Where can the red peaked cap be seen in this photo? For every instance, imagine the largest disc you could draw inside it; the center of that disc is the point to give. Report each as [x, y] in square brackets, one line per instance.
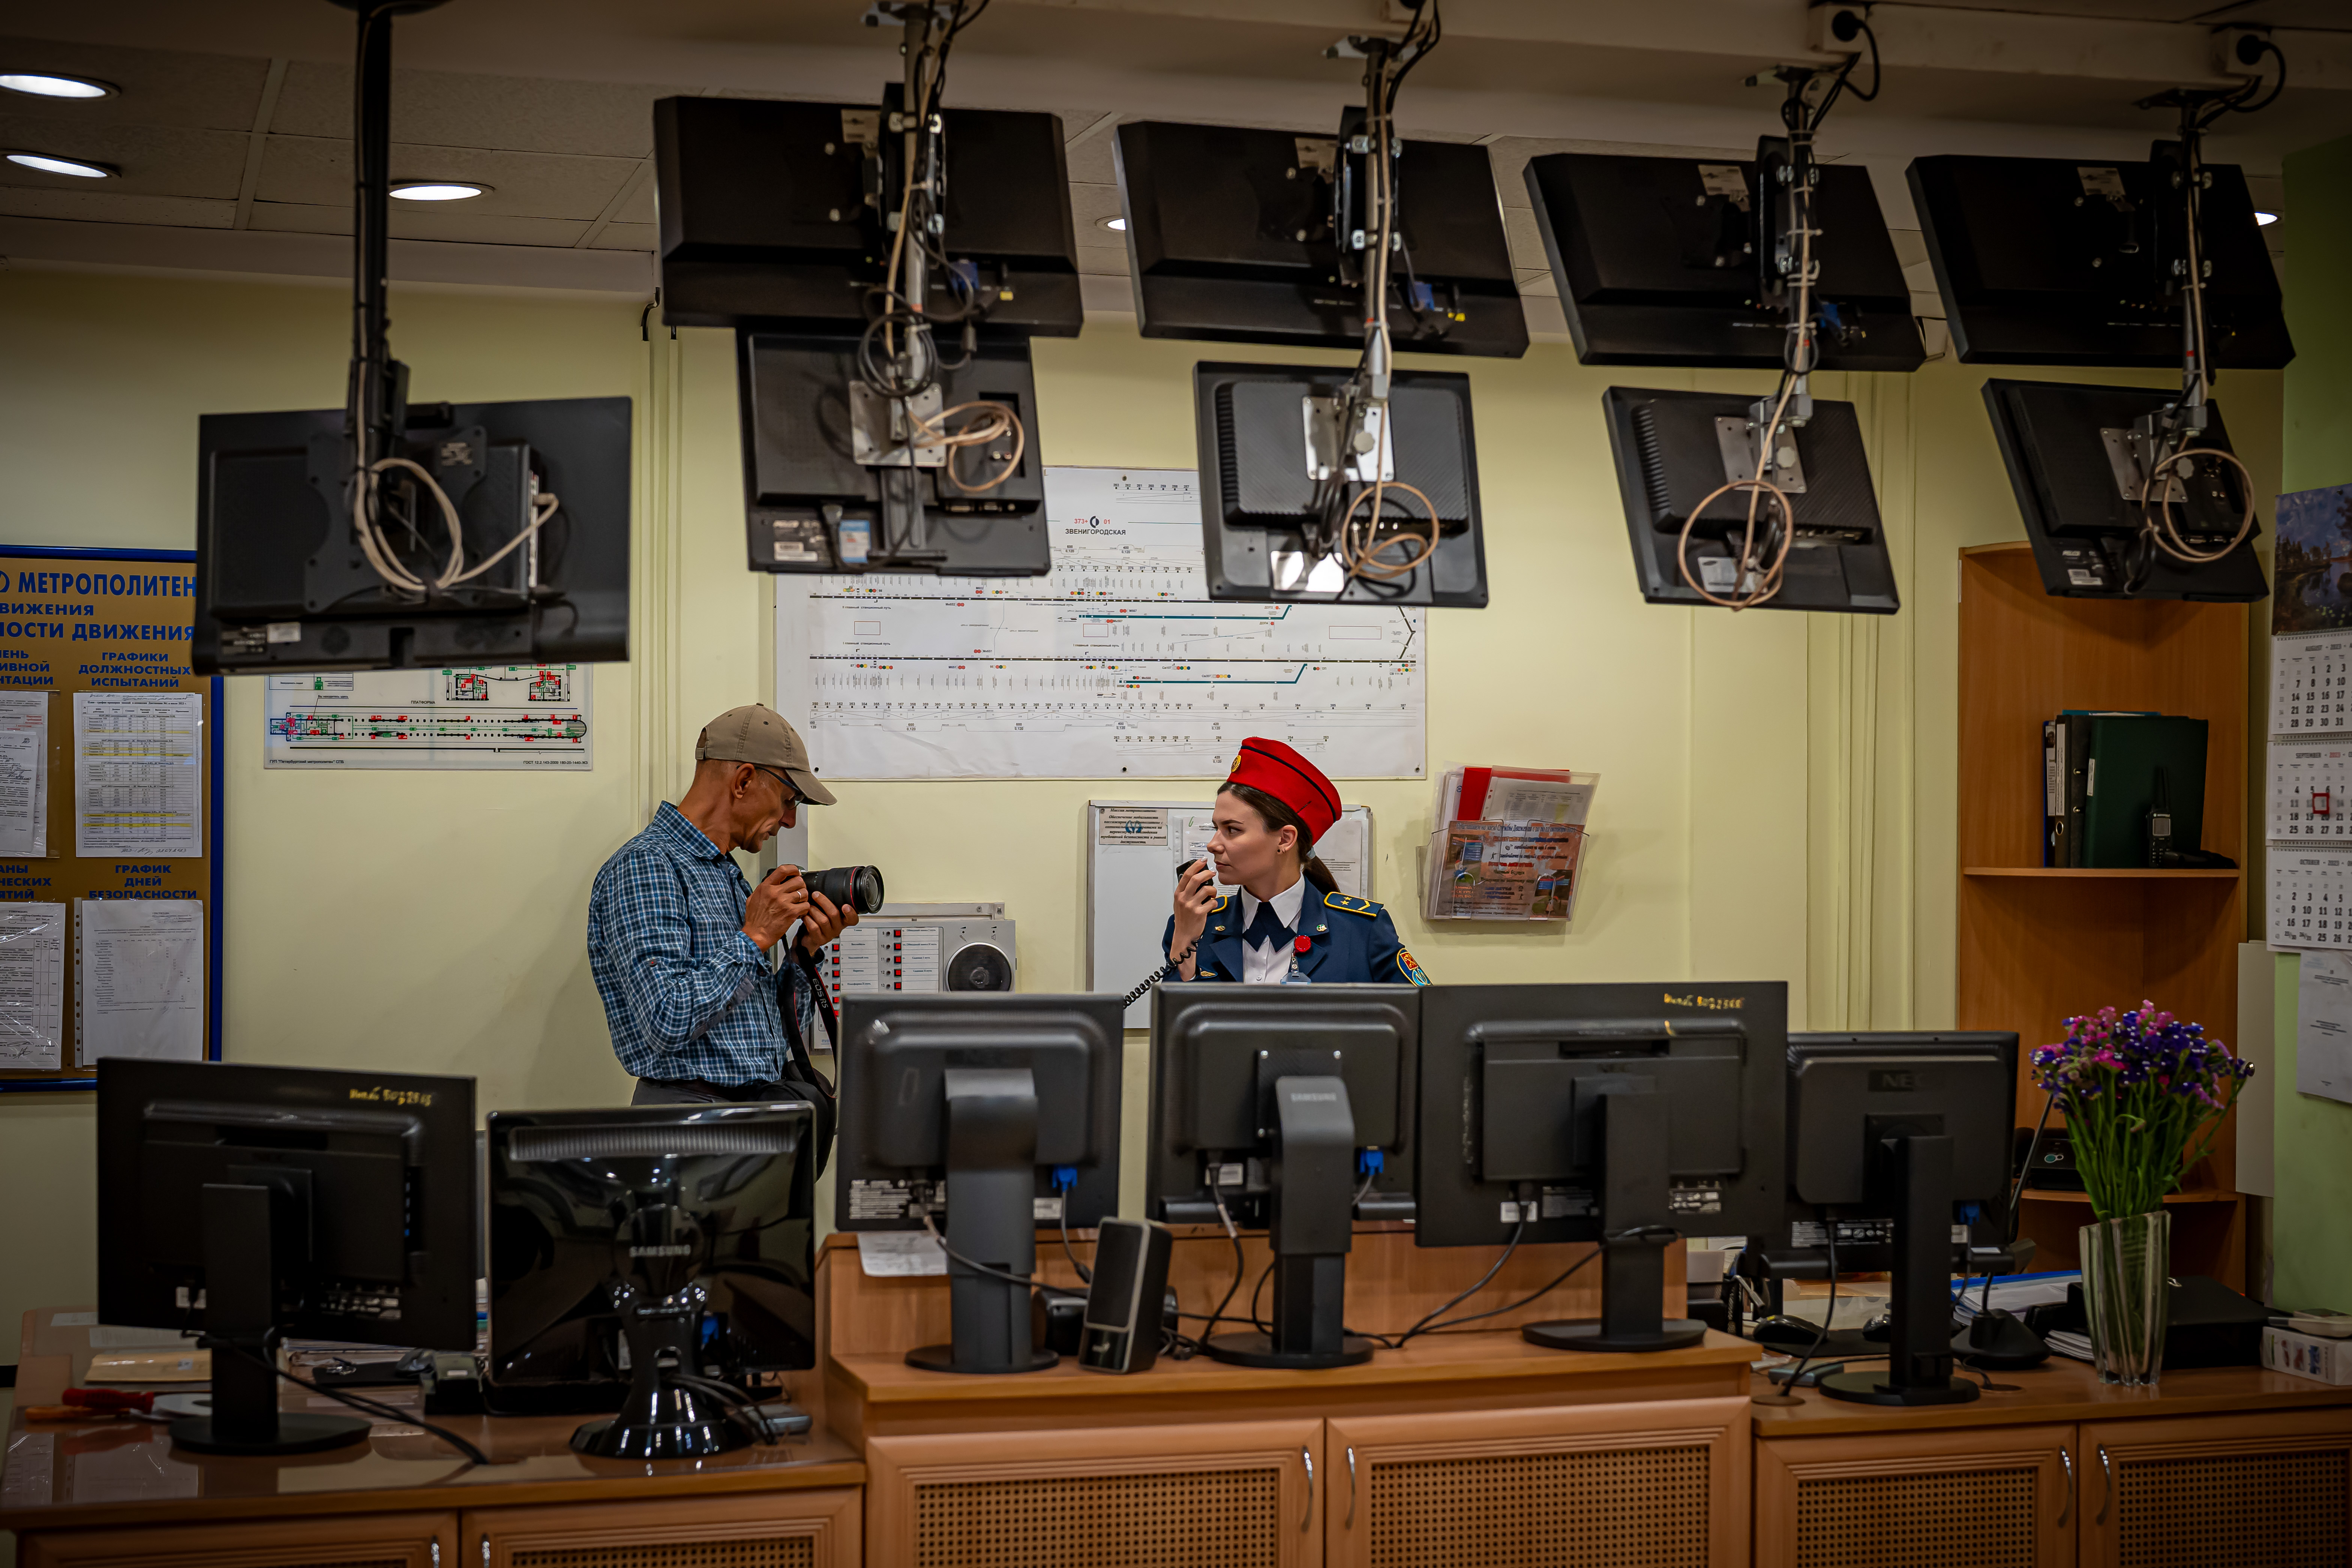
[1271, 766]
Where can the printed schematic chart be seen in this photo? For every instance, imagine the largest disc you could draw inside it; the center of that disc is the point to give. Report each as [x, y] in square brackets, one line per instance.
[1116, 663]
[521, 716]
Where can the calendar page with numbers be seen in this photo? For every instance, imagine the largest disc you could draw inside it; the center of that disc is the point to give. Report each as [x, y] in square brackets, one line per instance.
[2311, 793]
[2309, 895]
[2311, 684]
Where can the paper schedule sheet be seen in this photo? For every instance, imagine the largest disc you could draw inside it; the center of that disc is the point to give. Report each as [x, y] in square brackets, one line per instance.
[23, 773]
[32, 985]
[137, 774]
[139, 979]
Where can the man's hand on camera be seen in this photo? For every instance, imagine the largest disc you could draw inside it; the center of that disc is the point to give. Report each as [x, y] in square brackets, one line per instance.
[781, 898]
[825, 921]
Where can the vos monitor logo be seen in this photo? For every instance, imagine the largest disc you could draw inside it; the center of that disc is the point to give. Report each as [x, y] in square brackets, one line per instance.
[1893, 1080]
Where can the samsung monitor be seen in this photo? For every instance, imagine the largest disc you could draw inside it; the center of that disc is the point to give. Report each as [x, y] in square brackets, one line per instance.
[258, 1202]
[1626, 1115]
[2085, 498]
[1232, 237]
[1272, 530]
[1913, 1129]
[2063, 261]
[1676, 449]
[1655, 260]
[979, 1117]
[638, 1255]
[1289, 1108]
[285, 583]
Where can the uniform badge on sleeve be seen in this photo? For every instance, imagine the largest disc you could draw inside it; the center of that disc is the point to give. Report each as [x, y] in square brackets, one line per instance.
[1412, 970]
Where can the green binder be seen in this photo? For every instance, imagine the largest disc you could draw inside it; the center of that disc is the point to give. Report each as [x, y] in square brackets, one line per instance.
[2126, 755]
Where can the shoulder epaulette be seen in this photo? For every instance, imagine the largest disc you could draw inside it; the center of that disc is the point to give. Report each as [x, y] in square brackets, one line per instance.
[1353, 905]
[1219, 907]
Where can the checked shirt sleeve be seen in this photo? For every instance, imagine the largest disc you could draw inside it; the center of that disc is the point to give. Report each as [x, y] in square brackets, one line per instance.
[674, 997]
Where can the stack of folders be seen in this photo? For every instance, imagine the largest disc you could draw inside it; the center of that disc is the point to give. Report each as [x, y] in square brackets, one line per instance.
[2108, 775]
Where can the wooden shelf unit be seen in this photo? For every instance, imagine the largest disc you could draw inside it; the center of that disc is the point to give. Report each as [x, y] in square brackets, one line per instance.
[2038, 944]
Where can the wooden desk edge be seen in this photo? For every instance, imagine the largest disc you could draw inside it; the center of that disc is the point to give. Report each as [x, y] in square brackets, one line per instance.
[1825, 1417]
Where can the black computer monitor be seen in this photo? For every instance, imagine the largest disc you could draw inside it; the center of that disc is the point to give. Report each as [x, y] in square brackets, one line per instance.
[1231, 238]
[1674, 449]
[1000, 1112]
[1655, 260]
[255, 1202]
[1912, 1129]
[283, 584]
[1259, 501]
[1290, 1107]
[2078, 481]
[2062, 261]
[637, 1251]
[1621, 1114]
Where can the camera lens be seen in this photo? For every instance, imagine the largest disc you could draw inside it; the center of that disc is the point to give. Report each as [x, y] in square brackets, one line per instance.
[855, 888]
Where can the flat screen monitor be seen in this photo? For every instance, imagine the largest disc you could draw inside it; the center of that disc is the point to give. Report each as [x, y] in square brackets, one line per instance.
[283, 585]
[2062, 261]
[1655, 263]
[766, 220]
[812, 506]
[574, 1198]
[2078, 486]
[1259, 497]
[1674, 449]
[1231, 238]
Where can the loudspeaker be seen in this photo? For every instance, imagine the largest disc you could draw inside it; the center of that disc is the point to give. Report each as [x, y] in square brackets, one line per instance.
[1123, 1305]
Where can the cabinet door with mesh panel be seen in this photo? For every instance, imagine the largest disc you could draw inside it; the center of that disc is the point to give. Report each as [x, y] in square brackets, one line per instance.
[342, 1541]
[1235, 1494]
[1660, 1484]
[2269, 1491]
[819, 1528]
[1998, 1497]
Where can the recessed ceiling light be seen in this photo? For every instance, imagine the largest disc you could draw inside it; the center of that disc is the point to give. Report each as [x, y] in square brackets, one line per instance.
[1117, 225]
[41, 84]
[47, 164]
[437, 190]
[2265, 219]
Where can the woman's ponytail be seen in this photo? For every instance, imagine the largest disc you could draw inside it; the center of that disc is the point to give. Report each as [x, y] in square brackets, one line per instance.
[1319, 874]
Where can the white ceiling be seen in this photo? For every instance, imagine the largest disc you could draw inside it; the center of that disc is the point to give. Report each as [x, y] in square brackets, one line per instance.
[232, 128]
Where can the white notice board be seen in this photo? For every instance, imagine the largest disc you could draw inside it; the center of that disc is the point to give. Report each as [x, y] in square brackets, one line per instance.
[1133, 847]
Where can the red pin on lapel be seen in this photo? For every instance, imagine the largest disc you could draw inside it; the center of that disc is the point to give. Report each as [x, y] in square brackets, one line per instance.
[1303, 944]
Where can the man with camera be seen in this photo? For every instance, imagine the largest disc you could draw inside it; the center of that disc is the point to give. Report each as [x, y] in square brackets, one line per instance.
[684, 947]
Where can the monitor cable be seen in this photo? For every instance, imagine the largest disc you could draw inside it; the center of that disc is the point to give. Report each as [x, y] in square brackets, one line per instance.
[392, 1412]
[1829, 1316]
[1518, 1228]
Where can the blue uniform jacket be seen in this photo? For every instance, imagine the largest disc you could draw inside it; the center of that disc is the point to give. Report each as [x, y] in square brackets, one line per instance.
[1353, 941]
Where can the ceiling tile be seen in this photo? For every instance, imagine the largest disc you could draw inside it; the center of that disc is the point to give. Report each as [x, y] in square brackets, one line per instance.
[626, 237]
[158, 87]
[444, 109]
[1910, 244]
[301, 170]
[424, 223]
[154, 160]
[117, 206]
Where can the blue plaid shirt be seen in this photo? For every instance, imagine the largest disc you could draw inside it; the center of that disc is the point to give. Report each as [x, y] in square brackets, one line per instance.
[687, 994]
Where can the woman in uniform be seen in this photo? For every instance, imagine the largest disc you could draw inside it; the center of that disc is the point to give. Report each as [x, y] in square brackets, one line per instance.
[1290, 924]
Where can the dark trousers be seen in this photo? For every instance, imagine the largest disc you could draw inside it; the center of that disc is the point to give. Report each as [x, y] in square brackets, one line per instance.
[694, 1092]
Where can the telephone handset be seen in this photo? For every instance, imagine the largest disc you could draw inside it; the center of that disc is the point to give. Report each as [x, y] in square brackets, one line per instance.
[1165, 970]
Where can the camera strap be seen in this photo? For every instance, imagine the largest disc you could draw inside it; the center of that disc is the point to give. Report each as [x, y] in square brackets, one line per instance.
[800, 1068]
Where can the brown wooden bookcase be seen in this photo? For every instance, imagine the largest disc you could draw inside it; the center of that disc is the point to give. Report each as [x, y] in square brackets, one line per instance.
[2037, 945]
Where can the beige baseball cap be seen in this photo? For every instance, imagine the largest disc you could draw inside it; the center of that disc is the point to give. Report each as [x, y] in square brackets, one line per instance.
[758, 735]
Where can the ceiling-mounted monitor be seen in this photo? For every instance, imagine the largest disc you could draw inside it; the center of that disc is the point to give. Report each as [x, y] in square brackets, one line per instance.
[2065, 261]
[1655, 260]
[1232, 237]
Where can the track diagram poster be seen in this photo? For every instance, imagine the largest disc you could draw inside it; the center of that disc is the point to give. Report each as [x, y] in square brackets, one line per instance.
[532, 716]
[1114, 664]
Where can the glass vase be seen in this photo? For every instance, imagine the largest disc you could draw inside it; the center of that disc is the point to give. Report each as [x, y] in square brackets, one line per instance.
[2125, 1265]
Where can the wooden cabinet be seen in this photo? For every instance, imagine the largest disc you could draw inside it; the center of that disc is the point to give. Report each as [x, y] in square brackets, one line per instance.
[1661, 1482]
[1998, 1497]
[813, 1529]
[340, 1540]
[1234, 1494]
[2273, 1490]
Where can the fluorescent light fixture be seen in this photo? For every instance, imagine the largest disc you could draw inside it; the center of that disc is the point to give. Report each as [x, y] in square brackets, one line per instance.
[2265, 219]
[43, 84]
[437, 190]
[75, 166]
[1117, 225]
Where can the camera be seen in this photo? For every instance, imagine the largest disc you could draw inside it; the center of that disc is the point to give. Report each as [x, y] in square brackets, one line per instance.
[855, 888]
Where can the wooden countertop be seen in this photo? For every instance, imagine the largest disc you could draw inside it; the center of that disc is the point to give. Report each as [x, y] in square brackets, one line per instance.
[71, 1475]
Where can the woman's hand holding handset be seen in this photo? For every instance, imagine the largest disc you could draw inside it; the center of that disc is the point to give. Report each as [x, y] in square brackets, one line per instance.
[1196, 895]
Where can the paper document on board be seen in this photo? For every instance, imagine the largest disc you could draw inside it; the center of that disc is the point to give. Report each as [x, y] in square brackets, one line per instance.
[136, 773]
[32, 986]
[2323, 1036]
[140, 979]
[23, 773]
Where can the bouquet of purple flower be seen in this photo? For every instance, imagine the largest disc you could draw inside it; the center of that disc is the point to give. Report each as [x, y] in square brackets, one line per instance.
[2144, 1096]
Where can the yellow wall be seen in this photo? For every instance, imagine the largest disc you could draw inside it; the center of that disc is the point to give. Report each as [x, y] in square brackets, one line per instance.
[1776, 789]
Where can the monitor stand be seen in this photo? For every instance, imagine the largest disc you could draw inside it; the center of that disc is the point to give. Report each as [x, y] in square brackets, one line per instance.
[1917, 1169]
[992, 1124]
[1636, 1228]
[1311, 1231]
[240, 1280]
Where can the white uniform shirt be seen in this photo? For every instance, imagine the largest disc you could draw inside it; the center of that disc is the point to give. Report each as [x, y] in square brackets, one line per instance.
[1266, 962]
